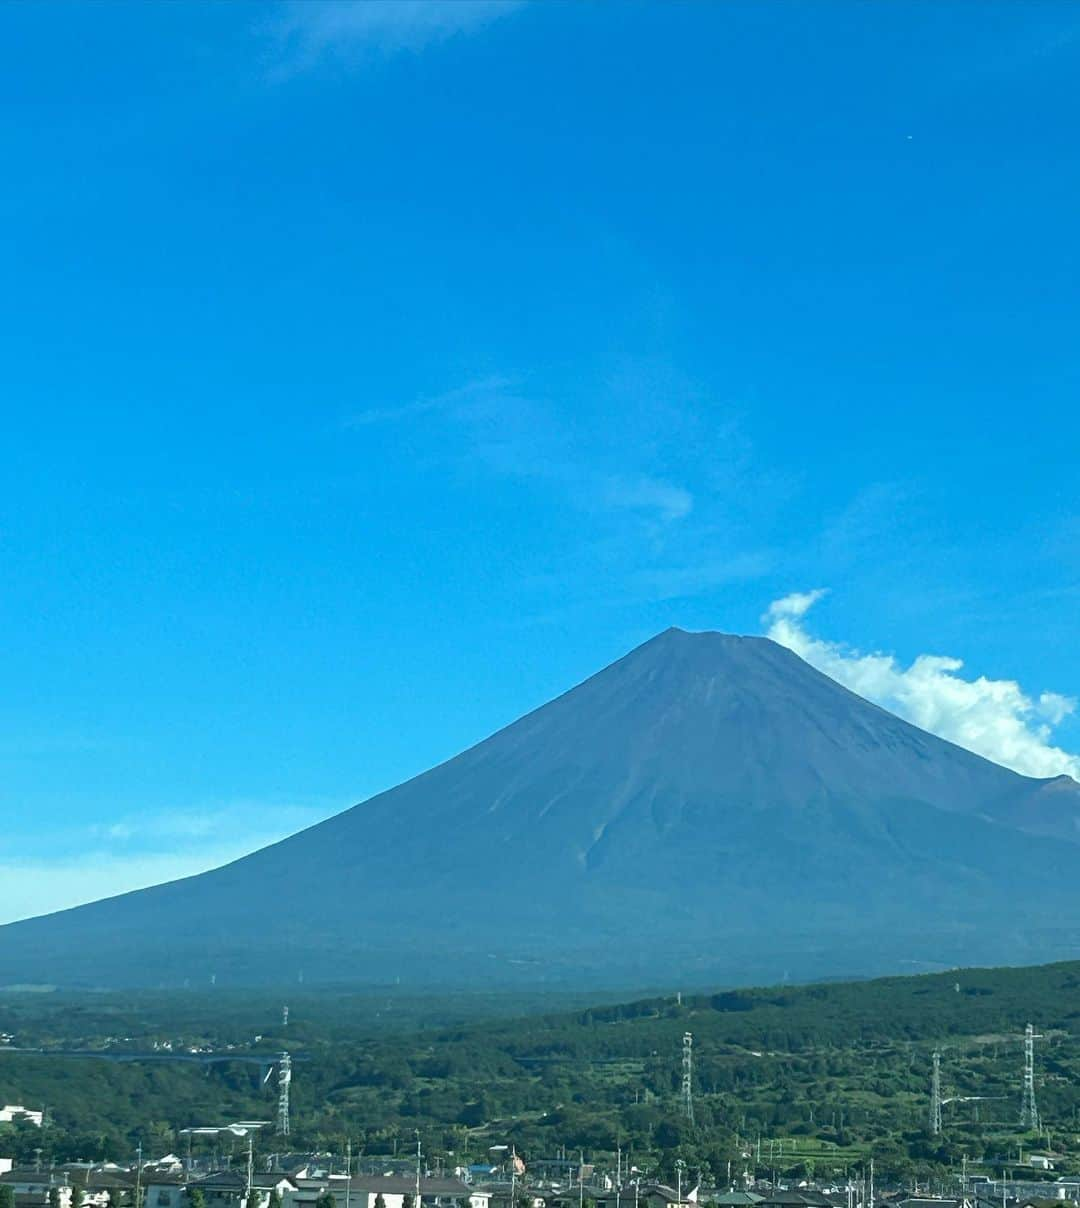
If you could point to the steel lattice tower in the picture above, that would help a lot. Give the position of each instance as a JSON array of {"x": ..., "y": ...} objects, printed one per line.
[
  {"x": 284, "y": 1079},
  {"x": 1029, "y": 1113},
  {"x": 935, "y": 1096},
  {"x": 688, "y": 1076}
]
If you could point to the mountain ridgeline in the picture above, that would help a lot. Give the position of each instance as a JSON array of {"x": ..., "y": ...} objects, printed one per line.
[{"x": 708, "y": 809}]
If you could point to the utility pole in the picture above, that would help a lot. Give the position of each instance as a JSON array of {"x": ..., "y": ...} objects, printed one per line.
[
  {"x": 416, "y": 1202},
  {"x": 138, "y": 1176},
  {"x": 348, "y": 1167},
  {"x": 250, "y": 1170},
  {"x": 935, "y": 1097}
]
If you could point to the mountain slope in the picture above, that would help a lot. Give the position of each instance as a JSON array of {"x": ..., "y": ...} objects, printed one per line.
[{"x": 708, "y": 805}]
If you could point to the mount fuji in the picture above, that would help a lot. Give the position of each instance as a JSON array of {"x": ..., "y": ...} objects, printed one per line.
[{"x": 709, "y": 808}]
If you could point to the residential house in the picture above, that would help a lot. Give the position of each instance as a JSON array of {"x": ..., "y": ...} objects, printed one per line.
[
  {"x": 101, "y": 1184},
  {"x": 397, "y": 1191},
  {"x": 32, "y": 1187},
  {"x": 804, "y": 1198},
  {"x": 161, "y": 1188},
  {"x": 229, "y": 1188},
  {"x": 929, "y": 1201},
  {"x": 645, "y": 1195},
  {"x": 561, "y": 1170}
]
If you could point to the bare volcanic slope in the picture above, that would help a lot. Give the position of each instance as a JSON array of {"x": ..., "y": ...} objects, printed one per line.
[{"x": 709, "y": 807}]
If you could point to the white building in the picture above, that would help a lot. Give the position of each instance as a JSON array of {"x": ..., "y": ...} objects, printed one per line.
[{"x": 12, "y": 1113}]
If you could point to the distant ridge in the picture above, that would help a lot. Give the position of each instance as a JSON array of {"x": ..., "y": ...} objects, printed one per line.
[{"x": 708, "y": 807}]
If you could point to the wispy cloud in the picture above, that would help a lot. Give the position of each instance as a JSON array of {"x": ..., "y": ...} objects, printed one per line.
[
  {"x": 1034, "y": 47},
  {"x": 669, "y": 502},
  {"x": 993, "y": 718},
  {"x": 510, "y": 434},
  {"x": 449, "y": 400},
  {"x": 308, "y": 32},
  {"x": 32, "y": 887},
  {"x": 663, "y": 479},
  {"x": 701, "y": 575},
  {"x": 260, "y": 822},
  {"x": 82, "y": 864}
]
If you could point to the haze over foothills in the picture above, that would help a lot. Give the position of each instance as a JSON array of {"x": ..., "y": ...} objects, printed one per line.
[{"x": 374, "y": 373}]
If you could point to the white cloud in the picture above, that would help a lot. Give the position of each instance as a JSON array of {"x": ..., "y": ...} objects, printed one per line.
[
  {"x": 993, "y": 718},
  {"x": 797, "y": 604},
  {"x": 310, "y": 31}
]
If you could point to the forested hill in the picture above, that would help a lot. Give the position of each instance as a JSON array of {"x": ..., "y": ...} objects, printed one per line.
[
  {"x": 824, "y": 1072},
  {"x": 957, "y": 1002}
]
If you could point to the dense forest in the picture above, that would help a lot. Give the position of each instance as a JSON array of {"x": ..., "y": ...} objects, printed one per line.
[{"x": 794, "y": 1078}]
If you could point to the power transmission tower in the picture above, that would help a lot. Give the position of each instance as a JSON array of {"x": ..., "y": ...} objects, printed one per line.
[
  {"x": 935, "y": 1097},
  {"x": 284, "y": 1079},
  {"x": 1029, "y": 1113},
  {"x": 688, "y": 1076}
]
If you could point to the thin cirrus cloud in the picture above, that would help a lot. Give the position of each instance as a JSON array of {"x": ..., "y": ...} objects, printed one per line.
[
  {"x": 34, "y": 887},
  {"x": 492, "y": 424},
  {"x": 994, "y": 718},
  {"x": 451, "y": 401},
  {"x": 309, "y": 32},
  {"x": 217, "y": 824},
  {"x": 108, "y": 858},
  {"x": 668, "y": 501}
]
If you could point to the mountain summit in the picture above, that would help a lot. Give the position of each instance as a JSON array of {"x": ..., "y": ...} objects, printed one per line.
[{"x": 709, "y": 807}]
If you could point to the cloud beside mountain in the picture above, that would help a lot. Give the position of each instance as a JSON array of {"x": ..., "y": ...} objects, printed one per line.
[{"x": 994, "y": 718}]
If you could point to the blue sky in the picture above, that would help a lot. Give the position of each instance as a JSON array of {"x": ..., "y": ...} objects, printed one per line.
[{"x": 372, "y": 373}]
